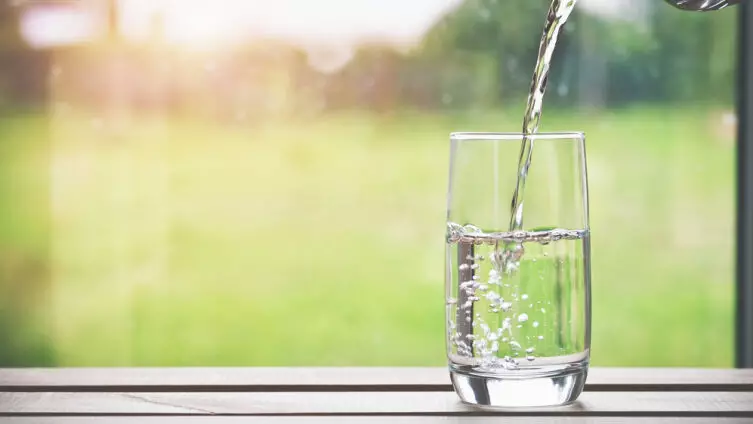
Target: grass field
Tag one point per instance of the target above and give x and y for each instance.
(320, 242)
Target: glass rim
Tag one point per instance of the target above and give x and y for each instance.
(509, 136)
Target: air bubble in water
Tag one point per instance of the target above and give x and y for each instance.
(524, 297)
(463, 267)
(523, 318)
(543, 311)
(541, 337)
(451, 301)
(475, 266)
(506, 306)
(466, 284)
(535, 324)
(492, 297)
(515, 345)
(530, 358)
(530, 350)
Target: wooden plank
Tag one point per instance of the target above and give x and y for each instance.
(664, 404)
(364, 420)
(345, 379)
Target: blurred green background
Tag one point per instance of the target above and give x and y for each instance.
(247, 202)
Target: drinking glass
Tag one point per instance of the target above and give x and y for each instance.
(518, 296)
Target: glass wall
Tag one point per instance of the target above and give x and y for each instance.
(263, 183)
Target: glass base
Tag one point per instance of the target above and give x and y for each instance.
(488, 390)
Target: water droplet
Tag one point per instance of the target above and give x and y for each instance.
(505, 340)
(530, 350)
(541, 337)
(524, 296)
(543, 311)
(535, 324)
(523, 318)
(463, 267)
(530, 358)
(506, 306)
(475, 266)
(478, 315)
(530, 305)
(492, 296)
(451, 301)
(515, 345)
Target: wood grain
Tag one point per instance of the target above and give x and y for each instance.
(659, 404)
(343, 379)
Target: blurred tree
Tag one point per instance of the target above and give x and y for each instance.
(670, 56)
(508, 31)
(24, 200)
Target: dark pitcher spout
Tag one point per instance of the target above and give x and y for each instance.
(702, 5)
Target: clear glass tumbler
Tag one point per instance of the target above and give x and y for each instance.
(518, 295)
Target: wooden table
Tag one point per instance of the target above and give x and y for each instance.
(340, 395)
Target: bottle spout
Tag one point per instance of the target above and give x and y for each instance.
(702, 5)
